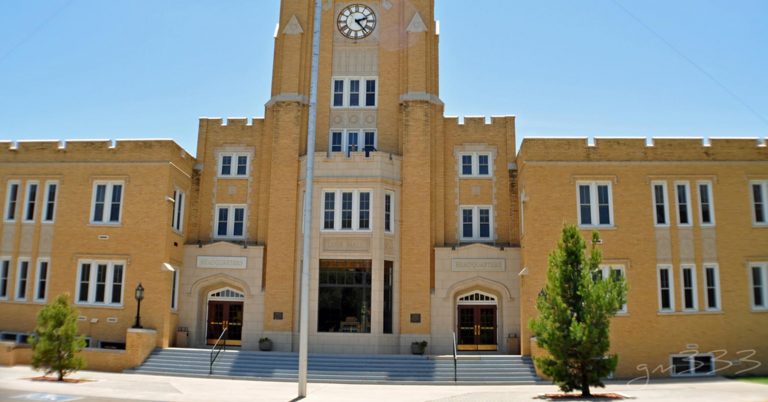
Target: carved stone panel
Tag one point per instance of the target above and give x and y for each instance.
(346, 244)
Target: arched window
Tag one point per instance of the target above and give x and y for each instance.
(225, 294)
(477, 297)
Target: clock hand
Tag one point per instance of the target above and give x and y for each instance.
(358, 22)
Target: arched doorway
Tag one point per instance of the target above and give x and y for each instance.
(225, 311)
(477, 323)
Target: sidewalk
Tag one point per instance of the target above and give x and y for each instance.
(15, 381)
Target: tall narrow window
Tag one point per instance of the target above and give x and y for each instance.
(354, 93)
(336, 141)
(666, 288)
(683, 208)
(483, 165)
(370, 93)
(50, 201)
(83, 289)
(388, 221)
(660, 203)
(388, 296)
(107, 201)
(242, 165)
(338, 93)
(759, 195)
(174, 288)
(117, 284)
(757, 274)
(31, 198)
(585, 205)
(11, 200)
(329, 216)
(352, 141)
(178, 210)
(466, 165)
(21, 279)
(226, 165)
(712, 284)
(230, 221)
(370, 141)
(466, 223)
(41, 280)
(5, 272)
(688, 287)
(101, 283)
(706, 210)
(364, 213)
(346, 210)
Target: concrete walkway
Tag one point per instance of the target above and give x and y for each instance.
(15, 385)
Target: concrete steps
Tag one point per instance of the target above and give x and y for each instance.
(368, 369)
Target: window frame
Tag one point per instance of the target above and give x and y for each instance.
(233, 166)
(175, 289)
(108, 201)
(389, 215)
(718, 301)
(476, 223)
(39, 279)
(230, 221)
(7, 206)
(30, 203)
(594, 203)
(345, 142)
(46, 201)
(338, 208)
(691, 365)
(671, 288)
(694, 288)
(654, 203)
(108, 282)
(177, 219)
(17, 283)
(763, 185)
(5, 277)
(475, 160)
(763, 268)
(346, 92)
(688, 206)
(606, 271)
(711, 203)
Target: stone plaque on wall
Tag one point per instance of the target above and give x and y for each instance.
(205, 261)
(478, 265)
(346, 244)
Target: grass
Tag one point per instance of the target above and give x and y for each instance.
(759, 380)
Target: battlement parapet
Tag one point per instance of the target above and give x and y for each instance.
(471, 124)
(92, 150)
(641, 149)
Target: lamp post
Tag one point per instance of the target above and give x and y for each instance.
(139, 297)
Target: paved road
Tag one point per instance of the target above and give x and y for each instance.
(108, 387)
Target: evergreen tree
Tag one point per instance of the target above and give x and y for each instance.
(55, 343)
(575, 308)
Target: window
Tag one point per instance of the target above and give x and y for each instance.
(389, 217)
(595, 204)
(476, 222)
(100, 282)
(666, 288)
(5, 272)
(29, 202)
(688, 287)
(107, 202)
(344, 299)
(177, 219)
(706, 207)
(475, 164)
(353, 207)
(757, 274)
(41, 280)
(612, 272)
(759, 192)
(388, 296)
(337, 143)
(693, 365)
(11, 199)
(230, 221)
(174, 288)
(370, 141)
(712, 287)
(349, 141)
(354, 92)
(660, 211)
(49, 213)
(683, 203)
(233, 164)
(21, 279)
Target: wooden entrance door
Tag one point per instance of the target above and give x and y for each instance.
(477, 328)
(225, 314)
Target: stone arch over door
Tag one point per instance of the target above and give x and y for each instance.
(203, 289)
(478, 318)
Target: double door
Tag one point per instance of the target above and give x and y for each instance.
(225, 315)
(477, 328)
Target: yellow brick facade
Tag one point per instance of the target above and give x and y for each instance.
(457, 218)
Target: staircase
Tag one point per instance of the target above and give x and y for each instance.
(362, 369)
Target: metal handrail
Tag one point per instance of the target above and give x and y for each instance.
(223, 347)
(455, 360)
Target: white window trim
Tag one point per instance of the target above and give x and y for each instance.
(355, 210)
(17, 282)
(716, 269)
(475, 156)
(230, 221)
(391, 195)
(107, 202)
(691, 365)
(764, 191)
(44, 209)
(594, 204)
(711, 203)
(345, 139)
(8, 278)
(233, 167)
(694, 286)
(108, 283)
(38, 278)
(671, 277)
(476, 223)
(663, 184)
(346, 93)
(689, 205)
(178, 211)
(764, 285)
(16, 206)
(27, 188)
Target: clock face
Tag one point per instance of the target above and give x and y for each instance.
(356, 21)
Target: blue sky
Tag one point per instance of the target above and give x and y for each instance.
(149, 69)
